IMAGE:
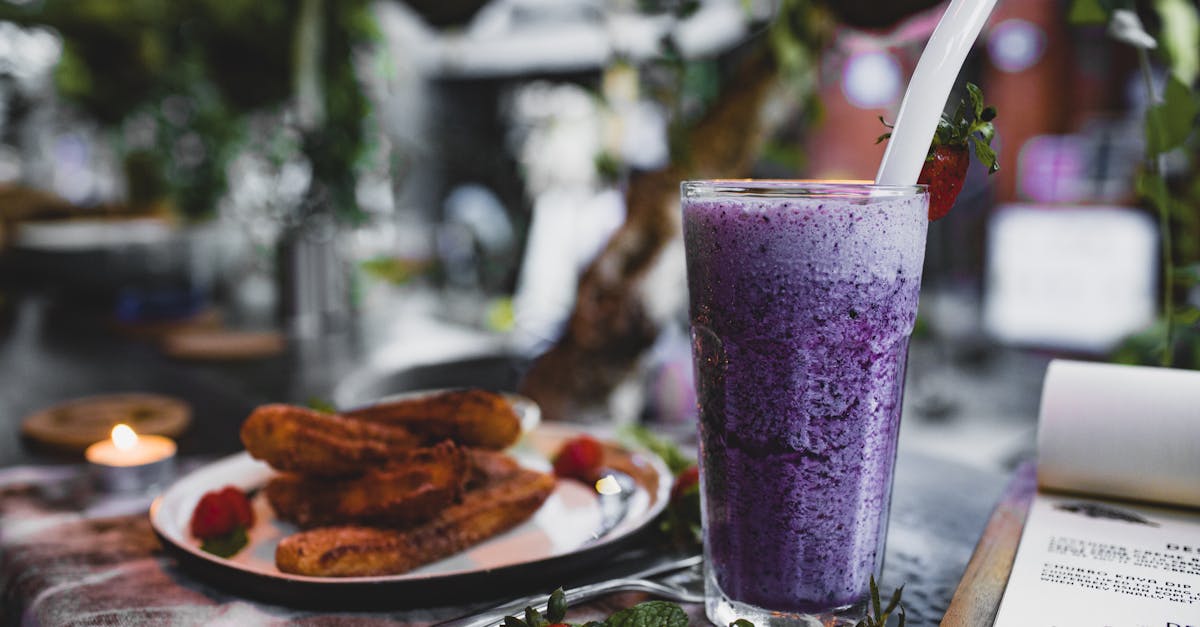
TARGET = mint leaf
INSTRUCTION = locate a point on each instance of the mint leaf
(741, 622)
(649, 614)
(556, 610)
(227, 545)
(533, 618)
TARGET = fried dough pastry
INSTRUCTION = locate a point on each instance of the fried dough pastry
(354, 551)
(470, 417)
(296, 439)
(407, 491)
(485, 466)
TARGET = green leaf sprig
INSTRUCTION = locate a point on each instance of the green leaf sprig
(648, 614)
(971, 122)
(680, 522)
(227, 545)
(667, 614)
(1170, 124)
(880, 615)
(677, 461)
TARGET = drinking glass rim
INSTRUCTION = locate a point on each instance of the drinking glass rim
(798, 187)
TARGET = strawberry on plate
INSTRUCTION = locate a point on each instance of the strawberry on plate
(221, 520)
(579, 458)
(685, 481)
(945, 166)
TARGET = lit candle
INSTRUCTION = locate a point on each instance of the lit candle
(130, 462)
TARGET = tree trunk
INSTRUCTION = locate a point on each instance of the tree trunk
(608, 328)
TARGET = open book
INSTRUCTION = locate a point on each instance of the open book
(1112, 538)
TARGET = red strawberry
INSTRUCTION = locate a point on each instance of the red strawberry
(220, 512)
(579, 458)
(944, 172)
(946, 164)
(684, 482)
(237, 501)
(213, 517)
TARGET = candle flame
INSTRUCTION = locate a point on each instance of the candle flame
(123, 437)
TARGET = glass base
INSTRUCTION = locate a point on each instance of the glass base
(722, 610)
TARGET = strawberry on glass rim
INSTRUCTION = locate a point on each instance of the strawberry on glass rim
(945, 166)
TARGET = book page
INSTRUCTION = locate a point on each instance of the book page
(1085, 562)
(1127, 432)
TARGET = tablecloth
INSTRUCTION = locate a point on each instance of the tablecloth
(69, 556)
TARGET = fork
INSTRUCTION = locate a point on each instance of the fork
(638, 582)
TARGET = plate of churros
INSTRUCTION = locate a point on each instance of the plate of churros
(411, 502)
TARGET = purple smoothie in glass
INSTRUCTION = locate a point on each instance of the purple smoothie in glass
(803, 297)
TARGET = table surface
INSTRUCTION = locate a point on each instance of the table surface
(939, 506)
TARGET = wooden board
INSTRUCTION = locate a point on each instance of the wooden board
(75, 424)
(977, 599)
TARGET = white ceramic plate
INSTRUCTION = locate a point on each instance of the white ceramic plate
(571, 530)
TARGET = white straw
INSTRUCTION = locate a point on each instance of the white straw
(930, 86)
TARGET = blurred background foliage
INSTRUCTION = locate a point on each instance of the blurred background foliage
(174, 81)
(1170, 125)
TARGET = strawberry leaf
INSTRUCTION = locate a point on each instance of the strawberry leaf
(227, 545)
(976, 96)
(944, 135)
(987, 131)
(970, 123)
(986, 155)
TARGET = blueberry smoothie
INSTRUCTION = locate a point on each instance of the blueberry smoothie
(803, 297)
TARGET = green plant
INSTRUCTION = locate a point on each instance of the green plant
(880, 615)
(192, 71)
(666, 614)
(1169, 124)
(648, 614)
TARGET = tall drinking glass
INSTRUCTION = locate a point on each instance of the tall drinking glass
(803, 297)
